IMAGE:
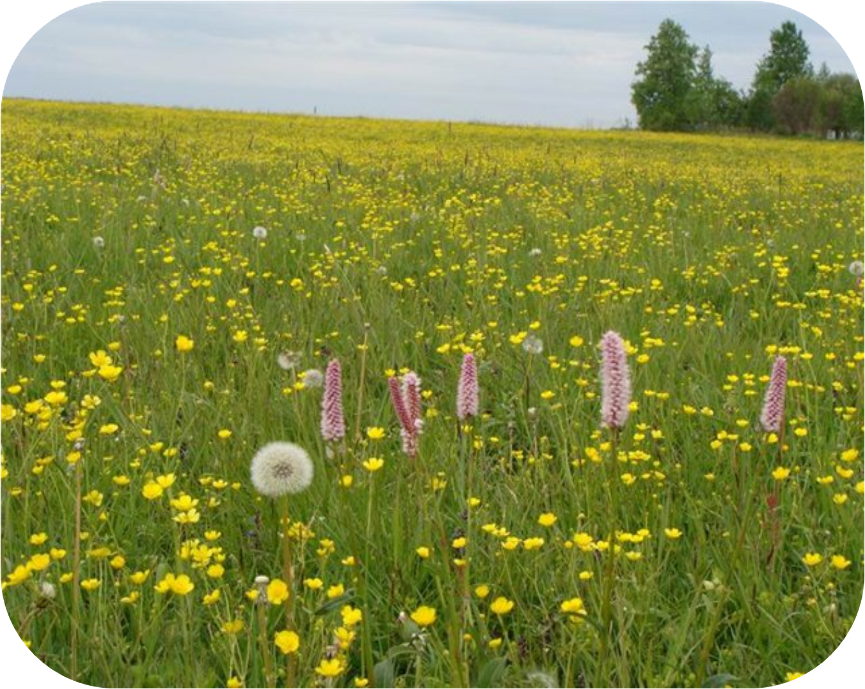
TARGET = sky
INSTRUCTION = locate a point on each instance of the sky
(559, 64)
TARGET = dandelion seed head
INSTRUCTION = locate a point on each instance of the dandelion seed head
(259, 232)
(313, 378)
(98, 242)
(287, 360)
(281, 468)
(857, 269)
(533, 344)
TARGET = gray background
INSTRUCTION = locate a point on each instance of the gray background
(844, 19)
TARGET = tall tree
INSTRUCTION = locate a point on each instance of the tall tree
(787, 59)
(714, 101)
(662, 92)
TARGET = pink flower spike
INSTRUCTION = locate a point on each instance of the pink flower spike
(411, 398)
(772, 417)
(615, 381)
(396, 398)
(332, 420)
(467, 390)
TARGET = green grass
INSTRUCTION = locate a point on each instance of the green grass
(708, 254)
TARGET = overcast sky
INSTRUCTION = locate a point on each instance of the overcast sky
(567, 64)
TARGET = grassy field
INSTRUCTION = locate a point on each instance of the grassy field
(174, 282)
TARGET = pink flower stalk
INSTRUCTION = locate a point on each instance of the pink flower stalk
(467, 390)
(407, 405)
(615, 381)
(772, 417)
(332, 420)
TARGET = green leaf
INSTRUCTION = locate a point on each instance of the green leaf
(491, 673)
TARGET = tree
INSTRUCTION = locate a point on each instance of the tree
(797, 104)
(787, 59)
(840, 108)
(662, 92)
(714, 101)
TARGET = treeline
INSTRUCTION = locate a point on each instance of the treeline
(677, 90)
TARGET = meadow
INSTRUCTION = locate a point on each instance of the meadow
(175, 284)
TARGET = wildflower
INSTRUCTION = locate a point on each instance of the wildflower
(533, 345)
(812, 559)
(574, 606)
(422, 552)
(332, 420)
(375, 433)
(184, 344)
(615, 381)
(501, 606)
(857, 269)
(91, 584)
(772, 416)
(350, 616)
(47, 590)
(839, 562)
(547, 519)
(178, 585)
(312, 378)
(673, 534)
(424, 616)
(780, 473)
(287, 641)
(259, 232)
(482, 591)
(332, 667)
(406, 400)
(280, 468)
(373, 464)
(277, 592)
(98, 242)
(287, 360)
(468, 401)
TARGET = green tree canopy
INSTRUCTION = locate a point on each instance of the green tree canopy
(662, 92)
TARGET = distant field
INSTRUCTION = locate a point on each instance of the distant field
(173, 283)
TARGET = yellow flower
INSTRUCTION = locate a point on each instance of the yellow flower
(335, 591)
(233, 627)
(38, 538)
(223, 434)
(215, 571)
(840, 562)
(672, 533)
(177, 585)
(850, 455)
(39, 562)
(573, 606)
(277, 592)
(780, 473)
(184, 344)
(576, 341)
(424, 616)
(212, 597)
(422, 552)
(109, 372)
(533, 543)
(234, 683)
(287, 641)
(313, 584)
(501, 606)
(375, 433)
(18, 575)
(91, 584)
(332, 667)
(547, 519)
(459, 542)
(139, 578)
(7, 412)
(812, 559)
(350, 616)
(482, 591)
(152, 490)
(790, 676)
(373, 464)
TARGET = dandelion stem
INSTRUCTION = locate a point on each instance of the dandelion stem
(76, 574)
(288, 576)
(265, 647)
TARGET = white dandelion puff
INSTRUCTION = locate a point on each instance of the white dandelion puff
(857, 269)
(288, 361)
(533, 345)
(281, 468)
(259, 232)
(312, 378)
(98, 242)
